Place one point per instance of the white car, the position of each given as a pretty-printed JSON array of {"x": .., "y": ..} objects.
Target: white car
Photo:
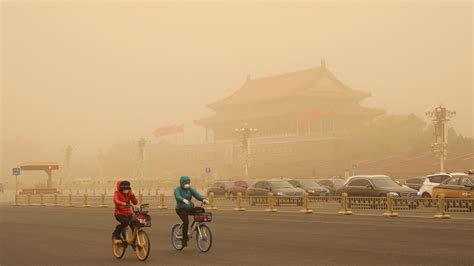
[{"x": 431, "y": 181}]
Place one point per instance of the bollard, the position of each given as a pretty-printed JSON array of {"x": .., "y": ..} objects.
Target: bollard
[
  {"x": 102, "y": 200},
  {"x": 56, "y": 200},
  {"x": 42, "y": 200},
  {"x": 389, "y": 212},
  {"x": 211, "y": 202},
  {"x": 239, "y": 202},
  {"x": 86, "y": 204},
  {"x": 441, "y": 208},
  {"x": 70, "y": 200},
  {"x": 16, "y": 199},
  {"x": 271, "y": 207},
  {"x": 345, "y": 202},
  {"x": 162, "y": 202},
  {"x": 29, "y": 199},
  {"x": 305, "y": 204}
]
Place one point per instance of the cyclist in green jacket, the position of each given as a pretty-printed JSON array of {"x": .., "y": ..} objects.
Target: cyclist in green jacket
[{"x": 184, "y": 206}]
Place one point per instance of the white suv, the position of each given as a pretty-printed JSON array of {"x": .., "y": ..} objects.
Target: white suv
[{"x": 431, "y": 181}]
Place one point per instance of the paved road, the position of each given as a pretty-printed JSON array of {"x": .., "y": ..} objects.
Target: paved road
[{"x": 81, "y": 236}]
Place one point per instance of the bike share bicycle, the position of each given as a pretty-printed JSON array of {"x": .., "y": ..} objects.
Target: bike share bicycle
[
  {"x": 203, "y": 232},
  {"x": 139, "y": 240}
]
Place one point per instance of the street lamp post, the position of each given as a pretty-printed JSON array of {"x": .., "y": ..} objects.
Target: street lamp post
[
  {"x": 440, "y": 117},
  {"x": 246, "y": 132},
  {"x": 141, "y": 156},
  {"x": 68, "y": 163}
]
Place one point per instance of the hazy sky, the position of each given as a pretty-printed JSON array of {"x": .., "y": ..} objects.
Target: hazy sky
[{"x": 91, "y": 73}]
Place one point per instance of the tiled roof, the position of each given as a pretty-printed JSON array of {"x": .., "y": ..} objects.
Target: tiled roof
[{"x": 315, "y": 81}]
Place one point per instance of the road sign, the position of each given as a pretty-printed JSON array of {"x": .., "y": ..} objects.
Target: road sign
[
  {"x": 354, "y": 166},
  {"x": 208, "y": 170},
  {"x": 16, "y": 171}
]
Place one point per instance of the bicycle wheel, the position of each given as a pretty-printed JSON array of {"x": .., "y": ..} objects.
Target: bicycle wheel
[
  {"x": 118, "y": 248},
  {"x": 142, "y": 245},
  {"x": 204, "y": 240},
  {"x": 176, "y": 237}
]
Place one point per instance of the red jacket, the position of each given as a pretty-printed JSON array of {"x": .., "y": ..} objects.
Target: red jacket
[{"x": 120, "y": 199}]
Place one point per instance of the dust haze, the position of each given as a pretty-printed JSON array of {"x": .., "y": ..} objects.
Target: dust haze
[{"x": 94, "y": 74}]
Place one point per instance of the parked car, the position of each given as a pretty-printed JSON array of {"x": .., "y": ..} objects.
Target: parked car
[
  {"x": 331, "y": 184},
  {"x": 457, "y": 186},
  {"x": 277, "y": 187},
  {"x": 239, "y": 186},
  {"x": 415, "y": 182},
  {"x": 310, "y": 186},
  {"x": 220, "y": 188},
  {"x": 431, "y": 181},
  {"x": 374, "y": 186}
]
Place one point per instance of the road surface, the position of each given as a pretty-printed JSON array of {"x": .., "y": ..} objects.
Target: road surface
[{"x": 81, "y": 236}]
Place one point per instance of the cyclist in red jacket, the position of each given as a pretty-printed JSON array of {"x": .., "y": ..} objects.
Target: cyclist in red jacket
[{"x": 122, "y": 198}]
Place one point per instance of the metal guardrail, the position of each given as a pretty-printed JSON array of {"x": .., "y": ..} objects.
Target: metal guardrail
[{"x": 390, "y": 206}]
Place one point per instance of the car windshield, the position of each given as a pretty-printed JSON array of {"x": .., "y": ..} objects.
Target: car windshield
[
  {"x": 240, "y": 184},
  {"x": 281, "y": 184},
  {"x": 308, "y": 183},
  {"x": 384, "y": 182}
]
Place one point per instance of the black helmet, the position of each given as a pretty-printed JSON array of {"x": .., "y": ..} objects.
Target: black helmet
[{"x": 124, "y": 185}]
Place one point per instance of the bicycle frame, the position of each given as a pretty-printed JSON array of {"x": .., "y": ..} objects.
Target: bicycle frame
[{"x": 194, "y": 227}]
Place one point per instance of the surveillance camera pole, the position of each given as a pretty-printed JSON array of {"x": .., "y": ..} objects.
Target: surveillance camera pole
[{"x": 440, "y": 117}]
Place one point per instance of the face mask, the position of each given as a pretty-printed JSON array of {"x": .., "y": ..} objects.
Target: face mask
[
  {"x": 187, "y": 185},
  {"x": 125, "y": 191}
]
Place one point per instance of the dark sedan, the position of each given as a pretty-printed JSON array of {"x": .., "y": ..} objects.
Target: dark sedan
[
  {"x": 310, "y": 186},
  {"x": 331, "y": 184},
  {"x": 277, "y": 187},
  {"x": 239, "y": 186},
  {"x": 374, "y": 186},
  {"x": 220, "y": 188}
]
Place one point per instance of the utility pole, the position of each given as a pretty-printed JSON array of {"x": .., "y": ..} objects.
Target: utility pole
[
  {"x": 68, "y": 163},
  {"x": 440, "y": 117},
  {"x": 246, "y": 132}
]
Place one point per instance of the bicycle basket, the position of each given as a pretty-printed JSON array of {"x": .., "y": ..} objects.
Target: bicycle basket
[
  {"x": 144, "y": 219},
  {"x": 203, "y": 217}
]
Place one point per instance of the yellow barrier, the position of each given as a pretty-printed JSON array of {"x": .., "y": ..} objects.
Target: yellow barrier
[
  {"x": 70, "y": 201},
  {"x": 86, "y": 204},
  {"x": 56, "y": 200},
  {"x": 271, "y": 207},
  {"x": 239, "y": 202},
  {"x": 211, "y": 202},
  {"x": 305, "y": 204},
  {"x": 345, "y": 202},
  {"x": 441, "y": 208},
  {"x": 390, "y": 212},
  {"x": 42, "y": 200},
  {"x": 102, "y": 199},
  {"x": 162, "y": 201}
]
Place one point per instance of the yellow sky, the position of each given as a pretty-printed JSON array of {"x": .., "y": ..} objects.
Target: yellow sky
[{"x": 88, "y": 74}]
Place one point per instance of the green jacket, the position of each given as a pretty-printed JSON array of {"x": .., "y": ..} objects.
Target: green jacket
[{"x": 181, "y": 193}]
